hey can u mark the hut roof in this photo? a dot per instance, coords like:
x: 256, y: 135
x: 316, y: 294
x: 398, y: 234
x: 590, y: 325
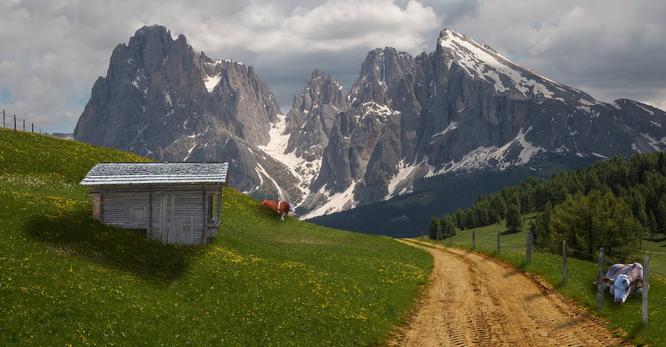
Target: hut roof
x: 156, y: 173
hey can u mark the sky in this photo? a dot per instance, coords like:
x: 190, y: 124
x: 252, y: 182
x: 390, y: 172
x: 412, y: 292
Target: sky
x: 52, y: 52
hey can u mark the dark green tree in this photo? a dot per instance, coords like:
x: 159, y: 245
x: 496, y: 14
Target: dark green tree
x: 591, y: 221
x: 470, y: 219
x: 653, y: 226
x: 448, y: 226
x: 435, y: 229
x: 514, y: 221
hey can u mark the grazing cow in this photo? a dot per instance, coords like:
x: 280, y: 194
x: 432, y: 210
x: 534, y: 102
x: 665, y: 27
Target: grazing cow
x: 624, y: 279
x: 280, y: 207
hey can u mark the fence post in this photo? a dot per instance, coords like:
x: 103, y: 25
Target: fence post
x: 14, y: 122
x: 24, y: 125
x: 32, y: 128
x: 565, y: 276
x: 600, y: 280
x: 528, y: 253
x: 474, y: 239
x: 646, y: 288
x: 498, y: 242
x: 3, y: 118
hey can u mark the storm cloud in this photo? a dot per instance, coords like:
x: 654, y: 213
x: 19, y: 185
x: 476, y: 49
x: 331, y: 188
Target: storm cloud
x: 52, y: 51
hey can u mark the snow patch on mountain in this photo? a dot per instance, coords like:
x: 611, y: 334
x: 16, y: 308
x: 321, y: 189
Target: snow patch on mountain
x: 334, y: 202
x: 211, y: 81
x: 304, y: 171
x: 401, y: 177
x: 451, y: 126
x: 656, y: 144
x: 479, y: 60
x: 495, y: 157
x: 375, y: 109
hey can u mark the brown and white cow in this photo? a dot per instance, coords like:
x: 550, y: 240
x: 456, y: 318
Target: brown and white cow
x: 624, y: 279
x: 280, y: 207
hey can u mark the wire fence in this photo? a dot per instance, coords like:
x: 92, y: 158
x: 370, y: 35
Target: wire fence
x: 18, y: 124
x: 653, y: 261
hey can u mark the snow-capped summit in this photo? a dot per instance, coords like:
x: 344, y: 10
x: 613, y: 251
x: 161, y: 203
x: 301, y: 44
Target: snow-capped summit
x: 482, y: 61
x: 464, y: 108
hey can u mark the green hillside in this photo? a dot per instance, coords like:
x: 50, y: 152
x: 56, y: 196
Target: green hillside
x: 66, y: 279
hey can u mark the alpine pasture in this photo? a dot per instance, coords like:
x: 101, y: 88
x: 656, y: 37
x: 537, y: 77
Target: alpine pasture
x: 66, y: 279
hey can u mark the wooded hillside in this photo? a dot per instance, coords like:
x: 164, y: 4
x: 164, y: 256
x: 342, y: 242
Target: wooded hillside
x: 610, y: 204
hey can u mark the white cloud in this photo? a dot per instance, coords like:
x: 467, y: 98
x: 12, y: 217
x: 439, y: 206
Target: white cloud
x: 333, y: 26
x: 53, y: 51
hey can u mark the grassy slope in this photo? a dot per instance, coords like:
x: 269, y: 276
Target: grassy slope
x: 580, y: 286
x: 66, y: 279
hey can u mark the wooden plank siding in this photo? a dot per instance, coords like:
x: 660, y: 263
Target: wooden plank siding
x: 187, y: 213
x: 117, y: 207
x: 183, y: 219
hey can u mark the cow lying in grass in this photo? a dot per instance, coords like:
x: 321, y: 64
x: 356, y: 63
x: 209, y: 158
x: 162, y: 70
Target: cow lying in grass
x: 280, y: 207
x: 624, y: 279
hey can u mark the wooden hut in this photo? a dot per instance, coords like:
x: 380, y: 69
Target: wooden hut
x: 173, y: 202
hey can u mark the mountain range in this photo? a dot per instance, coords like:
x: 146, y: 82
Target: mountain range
x: 463, y: 115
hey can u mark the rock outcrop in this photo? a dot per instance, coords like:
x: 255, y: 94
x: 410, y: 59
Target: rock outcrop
x: 462, y: 109
x: 163, y: 100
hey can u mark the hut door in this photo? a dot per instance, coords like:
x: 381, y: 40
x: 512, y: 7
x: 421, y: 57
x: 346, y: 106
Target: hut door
x: 167, y: 212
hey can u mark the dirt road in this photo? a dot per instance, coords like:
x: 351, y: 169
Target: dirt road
x: 473, y: 300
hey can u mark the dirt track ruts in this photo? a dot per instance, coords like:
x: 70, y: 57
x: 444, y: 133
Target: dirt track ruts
x: 473, y: 300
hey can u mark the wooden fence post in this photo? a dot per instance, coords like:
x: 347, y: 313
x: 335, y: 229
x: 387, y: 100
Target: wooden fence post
x: 3, y: 118
x: 646, y: 288
x: 600, y: 280
x: 565, y: 276
x: 498, y: 242
x: 24, y: 125
x: 474, y: 239
x: 528, y: 253
x: 14, y: 122
x: 32, y: 128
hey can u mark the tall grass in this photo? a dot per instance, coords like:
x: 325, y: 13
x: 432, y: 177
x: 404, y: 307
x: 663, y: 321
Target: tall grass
x: 66, y: 279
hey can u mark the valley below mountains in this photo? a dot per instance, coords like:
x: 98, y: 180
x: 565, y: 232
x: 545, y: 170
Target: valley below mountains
x: 414, y: 134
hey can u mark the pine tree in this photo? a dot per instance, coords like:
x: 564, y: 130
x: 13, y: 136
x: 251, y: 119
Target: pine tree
x: 448, y: 226
x: 435, y: 229
x: 660, y: 216
x: 470, y: 219
x: 514, y: 221
x: 652, y: 225
x: 460, y: 218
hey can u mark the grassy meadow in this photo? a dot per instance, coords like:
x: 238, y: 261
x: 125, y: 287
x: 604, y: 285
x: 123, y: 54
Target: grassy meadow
x: 582, y: 274
x: 66, y: 279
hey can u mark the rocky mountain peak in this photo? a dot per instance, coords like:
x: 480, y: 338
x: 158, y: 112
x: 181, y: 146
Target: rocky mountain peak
x: 464, y: 108
x: 381, y: 72
x: 163, y: 100
x: 313, y: 113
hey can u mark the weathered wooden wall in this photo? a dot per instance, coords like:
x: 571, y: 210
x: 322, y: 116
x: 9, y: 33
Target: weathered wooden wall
x: 186, y: 217
x: 116, y: 208
x: 182, y: 220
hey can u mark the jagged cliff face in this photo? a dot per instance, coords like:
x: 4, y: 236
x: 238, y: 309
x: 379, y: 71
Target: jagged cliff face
x: 465, y: 108
x: 460, y: 109
x: 313, y: 113
x: 162, y: 99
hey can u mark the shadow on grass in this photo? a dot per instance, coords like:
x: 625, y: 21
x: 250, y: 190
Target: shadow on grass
x: 509, y: 232
x: 659, y: 239
x: 121, y: 249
